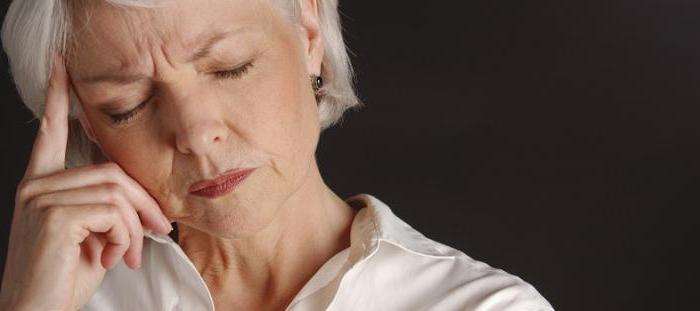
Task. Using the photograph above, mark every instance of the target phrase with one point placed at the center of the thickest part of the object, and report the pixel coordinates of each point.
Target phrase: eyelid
(236, 72)
(123, 117)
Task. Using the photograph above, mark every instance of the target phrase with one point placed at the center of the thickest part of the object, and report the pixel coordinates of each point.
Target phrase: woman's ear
(311, 36)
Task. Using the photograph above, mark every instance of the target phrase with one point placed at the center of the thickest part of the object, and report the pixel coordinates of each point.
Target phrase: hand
(70, 226)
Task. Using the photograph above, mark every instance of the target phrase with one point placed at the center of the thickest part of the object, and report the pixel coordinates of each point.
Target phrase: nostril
(200, 138)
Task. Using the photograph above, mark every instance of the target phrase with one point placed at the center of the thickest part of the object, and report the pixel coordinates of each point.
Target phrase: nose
(196, 120)
(196, 117)
(199, 137)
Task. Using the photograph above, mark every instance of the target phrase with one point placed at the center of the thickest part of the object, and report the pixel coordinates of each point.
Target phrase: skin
(256, 246)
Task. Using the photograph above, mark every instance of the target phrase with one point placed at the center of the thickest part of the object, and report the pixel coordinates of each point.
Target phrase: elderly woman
(206, 114)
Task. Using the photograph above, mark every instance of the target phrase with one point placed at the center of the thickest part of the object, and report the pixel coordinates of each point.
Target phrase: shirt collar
(377, 223)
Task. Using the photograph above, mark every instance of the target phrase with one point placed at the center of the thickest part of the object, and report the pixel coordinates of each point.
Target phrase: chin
(233, 217)
(251, 207)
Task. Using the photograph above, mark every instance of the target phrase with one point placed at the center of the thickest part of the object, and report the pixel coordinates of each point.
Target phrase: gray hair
(34, 29)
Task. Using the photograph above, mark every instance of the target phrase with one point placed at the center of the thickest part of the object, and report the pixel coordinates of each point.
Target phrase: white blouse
(388, 266)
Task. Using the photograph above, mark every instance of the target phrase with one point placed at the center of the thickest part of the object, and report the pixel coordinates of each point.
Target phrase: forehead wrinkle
(142, 31)
(137, 30)
(157, 28)
(146, 27)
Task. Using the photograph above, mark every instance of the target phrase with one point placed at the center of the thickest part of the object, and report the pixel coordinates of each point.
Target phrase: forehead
(108, 36)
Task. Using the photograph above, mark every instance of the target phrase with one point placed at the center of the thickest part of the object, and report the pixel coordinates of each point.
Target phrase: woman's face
(171, 117)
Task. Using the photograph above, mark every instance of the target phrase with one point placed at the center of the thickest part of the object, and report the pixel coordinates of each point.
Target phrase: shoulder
(409, 279)
(407, 270)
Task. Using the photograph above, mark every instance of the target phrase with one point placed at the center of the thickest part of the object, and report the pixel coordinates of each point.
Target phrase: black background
(556, 140)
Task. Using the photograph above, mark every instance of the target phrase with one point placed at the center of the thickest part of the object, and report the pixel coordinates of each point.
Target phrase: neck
(266, 270)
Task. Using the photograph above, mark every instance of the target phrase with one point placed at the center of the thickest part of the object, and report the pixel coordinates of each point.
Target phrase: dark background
(556, 140)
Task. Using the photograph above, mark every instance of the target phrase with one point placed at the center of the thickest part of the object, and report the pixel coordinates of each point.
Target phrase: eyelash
(235, 73)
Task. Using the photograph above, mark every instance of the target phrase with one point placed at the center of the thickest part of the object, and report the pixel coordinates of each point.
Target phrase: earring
(316, 84)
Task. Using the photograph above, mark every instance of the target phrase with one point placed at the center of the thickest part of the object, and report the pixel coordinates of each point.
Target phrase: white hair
(35, 29)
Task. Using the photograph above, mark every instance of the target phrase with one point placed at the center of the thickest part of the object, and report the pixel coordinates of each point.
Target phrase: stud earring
(316, 84)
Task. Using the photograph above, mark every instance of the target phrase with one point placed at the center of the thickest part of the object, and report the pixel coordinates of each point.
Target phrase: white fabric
(388, 266)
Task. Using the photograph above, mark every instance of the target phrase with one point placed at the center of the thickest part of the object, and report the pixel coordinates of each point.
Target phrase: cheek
(284, 116)
(141, 154)
(283, 131)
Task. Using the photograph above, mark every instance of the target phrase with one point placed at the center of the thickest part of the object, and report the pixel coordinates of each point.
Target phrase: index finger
(49, 150)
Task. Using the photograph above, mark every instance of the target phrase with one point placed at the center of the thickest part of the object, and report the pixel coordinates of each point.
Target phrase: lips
(220, 185)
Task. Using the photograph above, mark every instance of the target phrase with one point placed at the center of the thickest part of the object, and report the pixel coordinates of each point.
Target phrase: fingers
(104, 219)
(134, 253)
(49, 150)
(92, 247)
(79, 222)
(101, 194)
(151, 215)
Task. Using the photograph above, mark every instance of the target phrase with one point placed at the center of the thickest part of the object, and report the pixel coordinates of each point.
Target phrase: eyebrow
(202, 51)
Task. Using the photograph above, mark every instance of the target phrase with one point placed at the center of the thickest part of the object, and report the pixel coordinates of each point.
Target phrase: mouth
(221, 185)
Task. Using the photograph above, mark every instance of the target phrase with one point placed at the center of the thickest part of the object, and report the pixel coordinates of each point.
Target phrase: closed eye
(127, 116)
(235, 73)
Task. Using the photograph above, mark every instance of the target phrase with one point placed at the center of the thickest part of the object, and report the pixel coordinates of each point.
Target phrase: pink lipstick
(223, 184)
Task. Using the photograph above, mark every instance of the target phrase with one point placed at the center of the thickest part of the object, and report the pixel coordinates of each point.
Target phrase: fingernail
(168, 225)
